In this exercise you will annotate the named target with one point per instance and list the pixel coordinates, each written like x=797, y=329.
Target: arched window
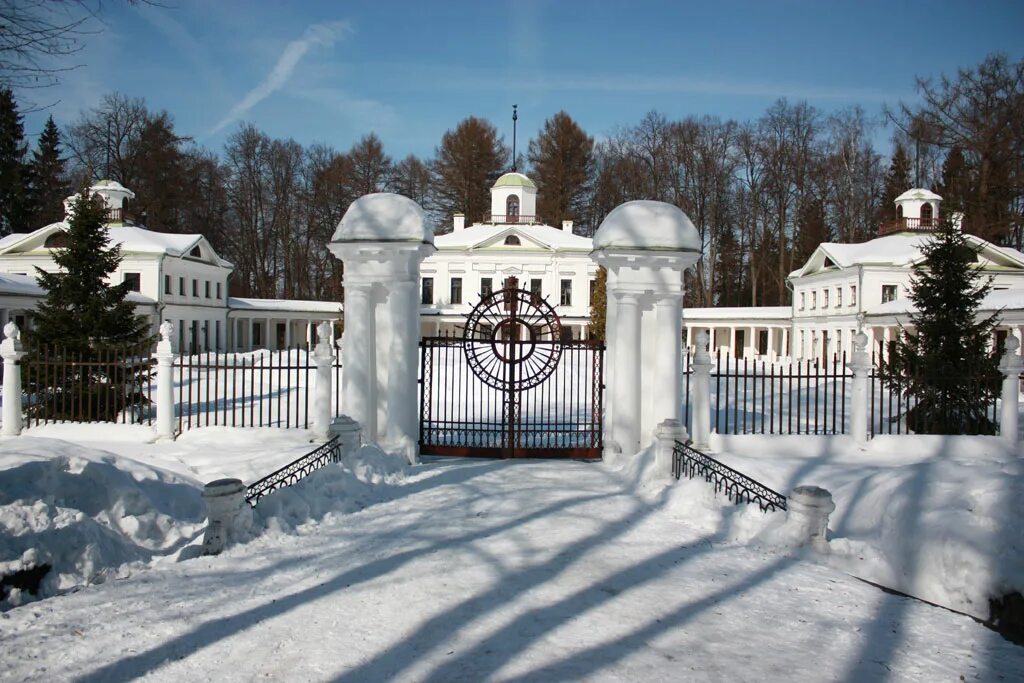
x=57, y=240
x=899, y=212
x=512, y=241
x=512, y=209
x=926, y=214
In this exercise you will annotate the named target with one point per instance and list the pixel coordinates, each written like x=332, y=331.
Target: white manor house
x=841, y=287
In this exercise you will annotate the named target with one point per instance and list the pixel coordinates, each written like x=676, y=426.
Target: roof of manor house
x=541, y=236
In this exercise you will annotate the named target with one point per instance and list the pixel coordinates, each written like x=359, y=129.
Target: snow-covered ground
x=498, y=570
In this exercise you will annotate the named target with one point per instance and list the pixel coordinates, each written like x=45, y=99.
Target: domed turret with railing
x=917, y=210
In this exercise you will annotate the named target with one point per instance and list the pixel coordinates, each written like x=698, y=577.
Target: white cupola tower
x=513, y=200
x=113, y=194
x=918, y=208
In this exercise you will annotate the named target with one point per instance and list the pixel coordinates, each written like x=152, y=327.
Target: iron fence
x=257, y=389
x=737, y=487
x=294, y=472
x=102, y=384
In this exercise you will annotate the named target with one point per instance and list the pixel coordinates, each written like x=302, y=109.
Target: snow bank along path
x=498, y=570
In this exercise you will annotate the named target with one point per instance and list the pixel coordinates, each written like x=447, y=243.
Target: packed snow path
x=496, y=570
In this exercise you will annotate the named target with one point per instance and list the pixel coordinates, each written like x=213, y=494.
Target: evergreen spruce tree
x=87, y=325
x=943, y=365
x=897, y=181
x=47, y=186
x=82, y=312
x=12, y=166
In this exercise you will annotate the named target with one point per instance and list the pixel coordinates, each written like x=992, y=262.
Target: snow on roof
x=481, y=233
x=645, y=224
x=919, y=193
x=383, y=217
x=111, y=186
x=1011, y=299
x=514, y=180
x=27, y=285
x=783, y=313
x=131, y=238
x=302, y=306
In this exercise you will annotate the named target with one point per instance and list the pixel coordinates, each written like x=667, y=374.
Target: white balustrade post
x=860, y=366
x=164, y=358
x=12, y=352
x=668, y=432
x=700, y=394
x=1010, y=366
x=323, y=357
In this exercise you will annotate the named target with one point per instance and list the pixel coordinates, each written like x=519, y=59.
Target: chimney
x=460, y=221
x=567, y=226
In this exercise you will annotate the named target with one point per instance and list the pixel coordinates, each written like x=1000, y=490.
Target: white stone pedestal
x=229, y=517
x=807, y=511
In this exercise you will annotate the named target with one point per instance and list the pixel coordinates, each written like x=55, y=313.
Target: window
x=853, y=295
x=167, y=284
x=814, y=300
x=512, y=209
x=217, y=335
x=512, y=241
x=181, y=286
x=535, y=289
x=565, y=293
x=486, y=286
x=207, y=289
x=824, y=298
x=427, y=291
x=456, y=290
x=58, y=240
x=195, y=288
x=218, y=290
x=195, y=252
x=803, y=300
x=181, y=335
x=839, y=297
x=888, y=293
x=206, y=335
x=134, y=281
x=926, y=214
x=195, y=336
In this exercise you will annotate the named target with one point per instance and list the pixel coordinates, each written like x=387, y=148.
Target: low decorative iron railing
x=294, y=472
x=736, y=486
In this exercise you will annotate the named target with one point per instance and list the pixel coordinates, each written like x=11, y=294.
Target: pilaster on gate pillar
x=860, y=366
x=382, y=239
x=645, y=247
x=1010, y=366
x=164, y=357
x=323, y=357
x=700, y=394
x=12, y=352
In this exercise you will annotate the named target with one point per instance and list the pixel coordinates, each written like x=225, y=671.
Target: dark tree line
x=762, y=193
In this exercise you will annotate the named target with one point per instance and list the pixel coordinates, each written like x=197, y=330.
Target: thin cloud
x=316, y=35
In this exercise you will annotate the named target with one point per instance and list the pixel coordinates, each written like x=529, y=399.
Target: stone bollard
x=668, y=432
x=807, y=512
x=229, y=517
x=1010, y=366
x=349, y=434
x=12, y=352
x=860, y=366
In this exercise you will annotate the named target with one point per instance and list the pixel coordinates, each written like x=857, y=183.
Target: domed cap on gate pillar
x=645, y=224
x=384, y=217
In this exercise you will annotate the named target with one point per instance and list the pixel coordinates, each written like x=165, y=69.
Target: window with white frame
x=839, y=297
x=853, y=295
x=814, y=300
x=803, y=300
x=824, y=298
x=888, y=293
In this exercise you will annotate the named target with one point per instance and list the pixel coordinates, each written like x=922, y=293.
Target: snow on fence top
x=645, y=224
x=383, y=217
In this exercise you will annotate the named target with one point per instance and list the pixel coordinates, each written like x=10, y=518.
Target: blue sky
x=333, y=71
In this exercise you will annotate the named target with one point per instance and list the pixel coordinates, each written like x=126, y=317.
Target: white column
x=1010, y=366
x=668, y=384
x=323, y=356
x=288, y=333
x=700, y=394
x=785, y=343
x=771, y=343
x=403, y=426
x=359, y=380
x=626, y=389
x=164, y=357
x=12, y=352
x=732, y=342
x=860, y=366
x=750, y=347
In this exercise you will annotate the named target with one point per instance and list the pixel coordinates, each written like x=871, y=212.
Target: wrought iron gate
x=510, y=386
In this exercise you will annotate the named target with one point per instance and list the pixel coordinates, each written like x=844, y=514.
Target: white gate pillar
x=12, y=352
x=323, y=357
x=645, y=247
x=382, y=239
x=1010, y=366
x=164, y=357
x=700, y=394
